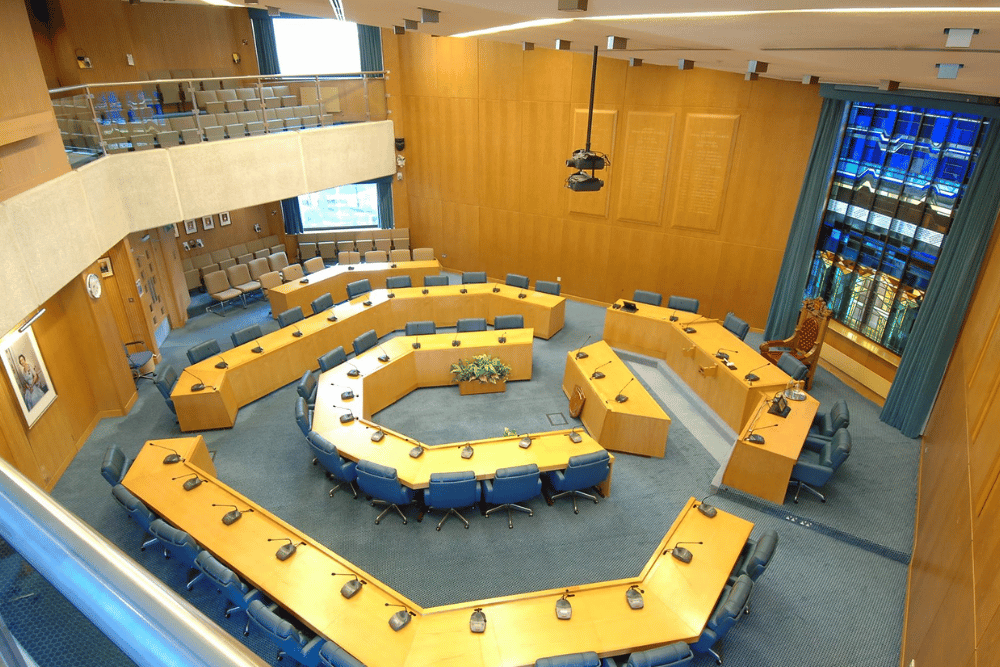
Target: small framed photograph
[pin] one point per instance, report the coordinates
(190, 226)
(224, 220)
(104, 263)
(177, 231)
(208, 222)
(27, 373)
(186, 245)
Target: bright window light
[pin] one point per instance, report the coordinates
(317, 46)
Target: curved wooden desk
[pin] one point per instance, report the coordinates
(520, 628)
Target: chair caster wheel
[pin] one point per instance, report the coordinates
(376, 522)
(466, 527)
(331, 493)
(246, 634)
(404, 522)
(576, 511)
(438, 528)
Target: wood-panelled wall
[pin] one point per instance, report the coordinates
(268, 216)
(705, 170)
(953, 596)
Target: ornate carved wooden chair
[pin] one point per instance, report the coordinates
(807, 340)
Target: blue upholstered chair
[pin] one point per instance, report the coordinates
(245, 335)
(467, 324)
(337, 467)
(755, 556)
(332, 655)
(435, 281)
(137, 511)
(684, 303)
(736, 326)
(358, 287)
(332, 359)
(792, 366)
(307, 386)
(203, 351)
(677, 654)
(508, 322)
(382, 484)
(321, 303)
(165, 381)
(588, 659)
(238, 594)
(516, 280)
(398, 282)
(727, 611)
(138, 359)
(365, 342)
(303, 416)
(828, 422)
(473, 277)
(814, 469)
(451, 490)
(583, 472)
(548, 287)
(284, 635)
(422, 328)
(511, 486)
(651, 298)
(290, 316)
(176, 544)
(115, 465)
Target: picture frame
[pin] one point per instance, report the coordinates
(177, 231)
(208, 222)
(190, 226)
(104, 264)
(224, 220)
(27, 373)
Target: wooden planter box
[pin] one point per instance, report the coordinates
(477, 387)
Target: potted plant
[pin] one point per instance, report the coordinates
(482, 374)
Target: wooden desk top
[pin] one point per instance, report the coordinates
(355, 272)
(617, 377)
(783, 436)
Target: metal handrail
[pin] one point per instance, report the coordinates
(375, 74)
(148, 621)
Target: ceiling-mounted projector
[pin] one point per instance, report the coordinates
(581, 182)
(584, 159)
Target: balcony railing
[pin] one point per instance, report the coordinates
(104, 118)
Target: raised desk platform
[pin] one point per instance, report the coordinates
(637, 426)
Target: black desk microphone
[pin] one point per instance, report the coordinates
(169, 458)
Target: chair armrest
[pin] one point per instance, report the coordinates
(311, 650)
(608, 662)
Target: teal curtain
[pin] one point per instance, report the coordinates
(794, 273)
(292, 215)
(370, 45)
(263, 37)
(942, 310)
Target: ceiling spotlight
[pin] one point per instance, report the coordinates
(888, 84)
(635, 62)
(410, 24)
(398, 30)
(757, 66)
(751, 76)
(429, 15)
(572, 5)
(527, 46)
(959, 38)
(684, 63)
(948, 70)
(809, 80)
(563, 44)
(617, 43)
(273, 11)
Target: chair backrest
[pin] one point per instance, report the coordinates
(280, 632)
(245, 335)
(348, 257)
(290, 316)
(224, 579)
(736, 326)
(332, 655)
(175, 542)
(677, 654)
(325, 451)
(508, 322)
(838, 449)
(382, 482)
(166, 378)
(270, 279)
(332, 359)
(471, 324)
(423, 254)
(365, 341)
(683, 303)
(400, 255)
(586, 470)
(811, 327)
(548, 287)
(731, 605)
(277, 261)
(373, 256)
(516, 280)
(452, 489)
(306, 387)
(517, 483)
(135, 508)
(238, 274)
(435, 281)
(585, 659)
(216, 282)
(292, 272)
(421, 328)
(358, 287)
(321, 303)
(839, 416)
(302, 416)
(398, 282)
(203, 351)
(792, 366)
(759, 558)
(258, 267)
(643, 296)
(314, 264)
(473, 277)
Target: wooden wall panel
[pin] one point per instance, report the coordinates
(268, 216)
(547, 75)
(602, 141)
(545, 136)
(586, 248)
(460, 236)
(540, 252)
(740, 285)
(425, 214)
(611, 77)
(645, 154)
(457, 67)
(637, 262)
(707, 145)
(500, 71)
(418, 64)
(656, 85)
(500, 154)
(458, 153)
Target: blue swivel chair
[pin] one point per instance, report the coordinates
(508, 322)
(398, 282)
(203, 351)
(548, 287)
(332, 655)
(321, 303)
(238, 594)
(245, 335)
(115, 465)
(337, 467)
(176, 544)
(473, 277)
(792, 366)
(382, 484)
(435, 281)
(727, 611)
(332, 359)
(588, 659)
(516, 280)
(651, 298)
(422, 328)
(307, 386)
(583, 472)
(736, 326)
(467, 324)
(165, 381)
(451, 490)
(677, 654)
(138, 359)
(290, 316)
(683, 303)
(814, 469)
(755, 556)
(828, 422)
(284, 635)
(511, 486)
(137, 511)
(365, 342)
(358, 287)
(303, 416)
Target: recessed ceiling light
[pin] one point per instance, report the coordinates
(948, 70)
(523, 25)
(572, 5)
(617, 43)
(429, 15)
(960, 38)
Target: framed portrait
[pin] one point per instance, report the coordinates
(190, 226)
(27, 373)
(224, 220)
(208, 222)
(104, 263)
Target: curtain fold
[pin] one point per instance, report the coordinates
(943, 308)
(263, 37)
(292, 215)
(370, 45)
(794, 273)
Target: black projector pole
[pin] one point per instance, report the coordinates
(593, 83)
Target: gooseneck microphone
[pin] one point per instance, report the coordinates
(580, 354)
(416, 343)
(333, 315)
(233, 515)
(621, 397)
(597, 374)
(756, 439)
(222, 364)
(258, 349)
(496, 289)
(398, 620)
(456, 342)
(352, 586)
(383, 357)
(347, 417)
(680, 553)
(673, 316)
(705, 508)
(169, 458)
(285, 551)
(191, 483)
(296, 333)
(199, 385)
(354, 372)
(346, 395)
(721, 353)
(574, 436)
(751, 377)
